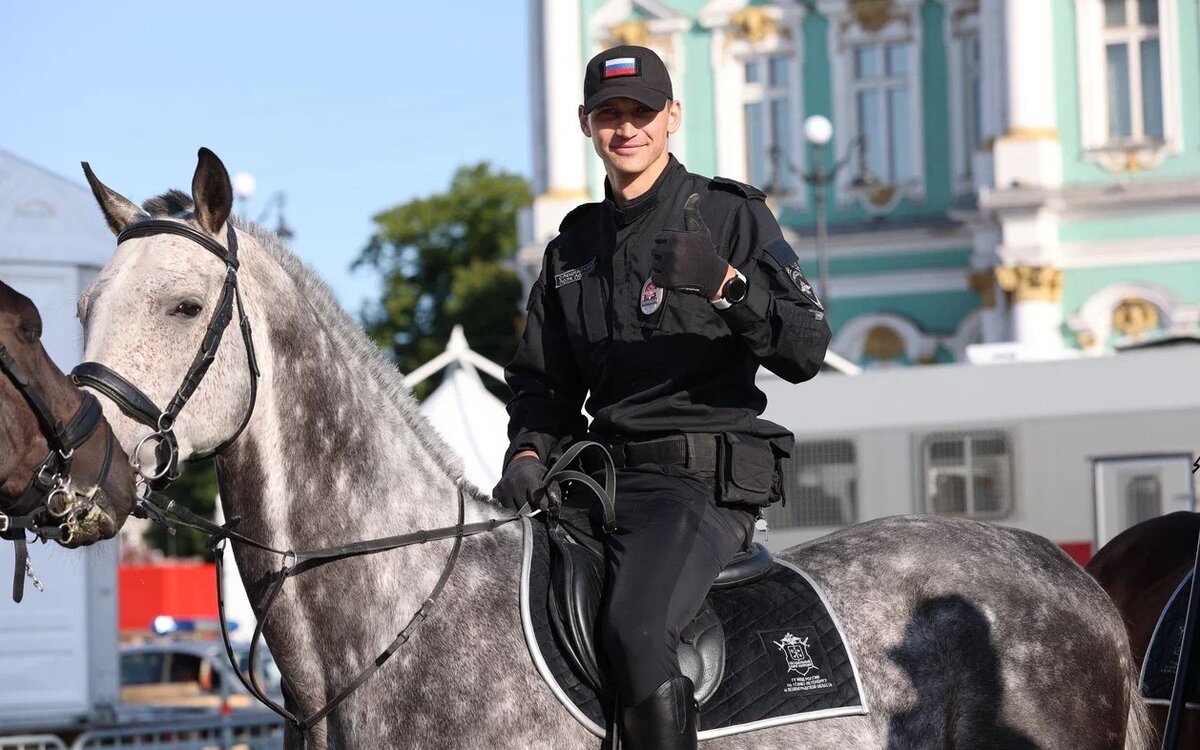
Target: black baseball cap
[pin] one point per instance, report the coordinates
(629, 71)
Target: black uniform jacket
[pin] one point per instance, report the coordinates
(676, 367)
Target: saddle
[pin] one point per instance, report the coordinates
(764, 650)
(575, 589)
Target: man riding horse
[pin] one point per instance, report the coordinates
(659, 304)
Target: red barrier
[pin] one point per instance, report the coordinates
(181, 590)
(1080, 552)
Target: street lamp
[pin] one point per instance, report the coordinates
(277, 201)
(818, 131)
(243, 187)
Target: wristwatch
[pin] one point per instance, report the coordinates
(733, 292)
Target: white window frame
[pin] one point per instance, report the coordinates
(962, 24)
(1092, 36)
(729, 55)
(927, 473)
(845, 36)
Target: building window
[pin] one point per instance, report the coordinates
(972, 135)
(1133, 70)
(968, 475)
(1128, 68)
(875, 59)
(881, 92)
(768, 122)
(822, 488)
(1143, 497)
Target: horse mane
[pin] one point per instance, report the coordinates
(371, 360)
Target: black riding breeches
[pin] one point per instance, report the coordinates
(672, 540)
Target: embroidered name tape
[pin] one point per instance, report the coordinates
(620, 66)
(575, 274)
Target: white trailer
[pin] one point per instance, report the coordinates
(58, 648)
(1075, 450)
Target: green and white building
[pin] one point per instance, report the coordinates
(1029, 182)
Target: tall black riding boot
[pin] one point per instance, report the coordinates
(664, 721)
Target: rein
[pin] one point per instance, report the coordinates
(50, 491)
(160, 509)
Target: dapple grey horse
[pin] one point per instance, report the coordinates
(966, 635)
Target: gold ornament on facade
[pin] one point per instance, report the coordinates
(754, 24)
(969, 8)
(630, 32)
(883, 343)
(1134, 316)
(984, 282)
(880, 195)
(1031, 283)
(1085, 339)
(872, 15)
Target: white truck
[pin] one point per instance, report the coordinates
(58, 648)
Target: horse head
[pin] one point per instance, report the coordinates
(81, 491)
(157, 315)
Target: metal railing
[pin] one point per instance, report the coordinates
(32, 742)
(241, 731)
(249, 730)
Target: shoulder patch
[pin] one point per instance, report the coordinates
(781, 251)
(740, 188)
(574, 215)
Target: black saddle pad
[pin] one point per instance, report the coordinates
(785, 658)
(1162, 656)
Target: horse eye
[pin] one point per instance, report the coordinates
(30, 334)
(187, 309)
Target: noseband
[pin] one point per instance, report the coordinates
(140, 407)
(51, 491)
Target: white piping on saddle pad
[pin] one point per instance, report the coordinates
(706, 734)
(531, 639)
(1162, 616)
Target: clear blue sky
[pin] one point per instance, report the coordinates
(348, 107)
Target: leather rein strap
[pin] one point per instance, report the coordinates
(140, 407)
(165, 511)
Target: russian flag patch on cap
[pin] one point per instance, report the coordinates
(620, 66)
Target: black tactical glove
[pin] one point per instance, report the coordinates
(686, 261)
(524, 482)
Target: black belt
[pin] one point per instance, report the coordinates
(695, 451)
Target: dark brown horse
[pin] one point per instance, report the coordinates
(1140, 569)
(78, 495)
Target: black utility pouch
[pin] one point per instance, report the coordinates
(746, 470)
(783, 472)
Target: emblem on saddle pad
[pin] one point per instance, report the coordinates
(800, 661)
(795, 650)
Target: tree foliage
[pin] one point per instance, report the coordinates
(442, 259)
(196, 490)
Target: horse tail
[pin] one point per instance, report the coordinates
(1140, 733)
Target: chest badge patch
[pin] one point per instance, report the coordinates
(652, 297)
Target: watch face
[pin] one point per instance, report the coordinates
(735, 289)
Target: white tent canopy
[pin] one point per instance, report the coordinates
(471, 420)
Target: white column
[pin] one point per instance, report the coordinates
(1036, 294)
(559, 147)
(1036, 324)
(562, 40)
(1028, 153)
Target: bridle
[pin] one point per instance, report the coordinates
(51, 492)
(134, 403)
(140, 407)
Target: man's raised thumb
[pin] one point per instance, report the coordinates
(691, 214)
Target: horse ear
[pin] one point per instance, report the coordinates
(212, 193)
(118, 210)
